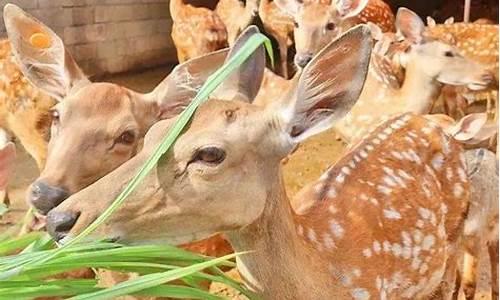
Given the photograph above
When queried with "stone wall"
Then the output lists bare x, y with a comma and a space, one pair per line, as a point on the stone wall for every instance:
108, 36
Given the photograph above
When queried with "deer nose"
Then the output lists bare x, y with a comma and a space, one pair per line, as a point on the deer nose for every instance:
487, 78
60, 223
45, 197
301, 60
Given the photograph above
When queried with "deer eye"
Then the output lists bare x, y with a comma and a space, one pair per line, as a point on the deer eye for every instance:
126, 138
295, 24
209, 155
449, 54
330, 26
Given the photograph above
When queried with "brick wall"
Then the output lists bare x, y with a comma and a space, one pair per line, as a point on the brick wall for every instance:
108, 36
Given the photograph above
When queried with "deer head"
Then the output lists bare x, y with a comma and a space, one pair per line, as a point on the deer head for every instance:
435, 59
95, 126
317, 23
196, 189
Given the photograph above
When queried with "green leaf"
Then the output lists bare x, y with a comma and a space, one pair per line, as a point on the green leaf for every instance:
150, 280
18, 243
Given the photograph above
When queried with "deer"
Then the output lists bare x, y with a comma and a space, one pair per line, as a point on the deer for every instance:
196, 30
478, 42
24, 109
236, 16
481, 224
428, 64
95, 126
279, 25
365, 237
319, 22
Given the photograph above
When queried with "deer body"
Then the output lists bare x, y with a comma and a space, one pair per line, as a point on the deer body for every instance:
24, 109
236, 16
196, 30
278, 24
387, 219
427, 64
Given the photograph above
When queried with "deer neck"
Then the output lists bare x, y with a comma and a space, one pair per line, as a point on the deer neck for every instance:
280, 262
418, 90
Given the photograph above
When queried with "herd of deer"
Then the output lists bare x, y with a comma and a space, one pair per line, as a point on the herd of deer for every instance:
392, 219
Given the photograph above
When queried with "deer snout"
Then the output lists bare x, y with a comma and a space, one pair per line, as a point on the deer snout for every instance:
45, 197
60, 223
482, 81
302, 59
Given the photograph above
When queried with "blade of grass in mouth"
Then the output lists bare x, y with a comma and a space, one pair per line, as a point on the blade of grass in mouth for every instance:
208, 87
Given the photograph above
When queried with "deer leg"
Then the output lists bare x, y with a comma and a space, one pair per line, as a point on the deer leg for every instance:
469, 275
283, 56
493, 254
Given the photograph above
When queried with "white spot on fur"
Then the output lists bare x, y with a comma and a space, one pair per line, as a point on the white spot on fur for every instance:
428, 242
458, 190
360, 294
336, 229
377, 247
384, 190
391, 213
437, 161
367, 252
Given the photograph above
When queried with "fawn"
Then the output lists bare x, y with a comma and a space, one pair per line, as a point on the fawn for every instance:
387, 220
196, 30
319, 22
428, 64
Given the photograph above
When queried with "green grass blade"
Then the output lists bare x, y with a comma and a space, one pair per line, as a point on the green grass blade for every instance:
150, 280
10, 246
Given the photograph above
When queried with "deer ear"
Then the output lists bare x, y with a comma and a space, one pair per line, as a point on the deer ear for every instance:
329, 85
179, 88
410, 25
473, 128
349, 8
431, 22
244, 82
41, 54
290, 7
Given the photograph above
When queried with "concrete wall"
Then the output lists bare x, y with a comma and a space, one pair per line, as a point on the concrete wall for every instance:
108, 36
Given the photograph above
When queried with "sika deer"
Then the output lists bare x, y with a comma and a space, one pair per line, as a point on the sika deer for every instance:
96, 126
236, 16
196, 30
428, 65
280, 26
478, 42
386, 223
318, 22
24, 109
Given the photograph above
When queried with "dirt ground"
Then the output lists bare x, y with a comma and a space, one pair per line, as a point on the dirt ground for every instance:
304, 166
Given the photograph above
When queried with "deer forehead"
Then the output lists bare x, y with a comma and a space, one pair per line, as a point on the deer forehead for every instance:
98, 99
314, 13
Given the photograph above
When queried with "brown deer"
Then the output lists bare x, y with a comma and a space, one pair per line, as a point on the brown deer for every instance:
387, 220
478, 42
280, 26
428, 64
24, 109
196, 30
236, 16
95, 126
319, 22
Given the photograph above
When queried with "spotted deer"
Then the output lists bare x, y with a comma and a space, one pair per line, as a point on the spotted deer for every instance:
478, 42
236, 16
196, 30
428, 64
318, 22
387, 220
280, 26
24, 109
96, 126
